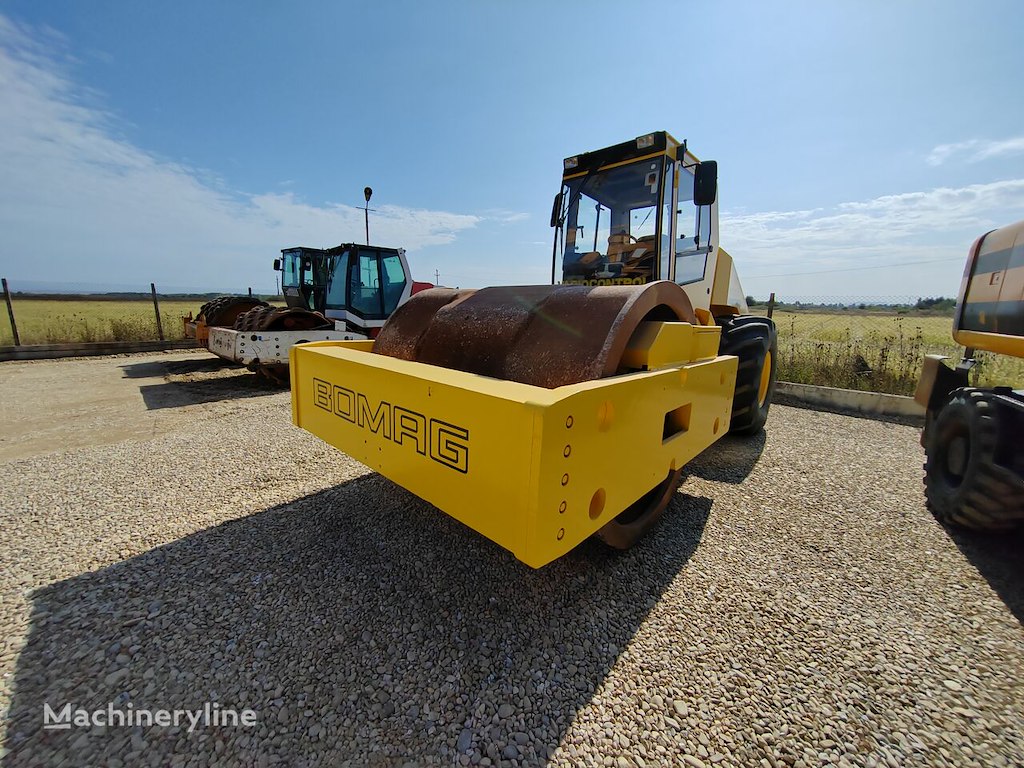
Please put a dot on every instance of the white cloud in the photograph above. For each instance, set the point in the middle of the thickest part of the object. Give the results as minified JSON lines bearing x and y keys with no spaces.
{"x":975,"y":150}
{"x":855,"y":246}
{"x":283,"y":214}
{"x":852,"y":225}
{"x":80,"y":203}
{"x":503,"y":216}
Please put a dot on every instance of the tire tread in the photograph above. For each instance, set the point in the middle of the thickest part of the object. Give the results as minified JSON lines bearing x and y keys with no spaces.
{"x":990,"y":497}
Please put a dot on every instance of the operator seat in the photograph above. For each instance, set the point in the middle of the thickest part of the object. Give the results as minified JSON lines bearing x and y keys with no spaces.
{"x":619,"y":245}
{"x":621,"y":249}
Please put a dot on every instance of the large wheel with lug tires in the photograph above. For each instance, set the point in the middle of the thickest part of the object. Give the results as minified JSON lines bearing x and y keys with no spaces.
{"x":253,"y":319}
{"x":274,"y":319}
{"x":964,"y":484}
{"x":224,"y":311}
{"x":754,"y":341}
{"x":294,"y":319}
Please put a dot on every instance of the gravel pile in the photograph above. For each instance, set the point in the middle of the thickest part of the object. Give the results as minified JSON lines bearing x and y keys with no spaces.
{"x":797,"y":607}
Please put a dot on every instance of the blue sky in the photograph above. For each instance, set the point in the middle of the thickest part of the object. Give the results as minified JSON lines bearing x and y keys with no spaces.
{"x":188,"y":142}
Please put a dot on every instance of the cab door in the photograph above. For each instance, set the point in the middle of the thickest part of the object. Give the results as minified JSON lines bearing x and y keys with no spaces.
{"x":365,"y":296}
{"x":394,"y":280}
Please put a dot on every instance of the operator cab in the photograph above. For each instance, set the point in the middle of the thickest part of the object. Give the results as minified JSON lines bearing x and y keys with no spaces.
{"x":303,"y":277}
{"x":366,"y":283}
{"x":640,"y":211}
{"x":359,"y":285}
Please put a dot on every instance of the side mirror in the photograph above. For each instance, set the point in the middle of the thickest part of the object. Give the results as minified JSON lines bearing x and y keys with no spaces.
{"x":705,"y":183}
{"x":277,"y":265}
{"x":556,"y":208}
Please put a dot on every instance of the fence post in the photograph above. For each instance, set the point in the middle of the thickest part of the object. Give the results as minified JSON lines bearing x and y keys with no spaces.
{"x":10,"y":314}
{"x":771,"y":304}
{"x":156,"y":308}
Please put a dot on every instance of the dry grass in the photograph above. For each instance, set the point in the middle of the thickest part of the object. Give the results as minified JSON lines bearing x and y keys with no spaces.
{"x":875,"y":351}
{"x":47,"y":321}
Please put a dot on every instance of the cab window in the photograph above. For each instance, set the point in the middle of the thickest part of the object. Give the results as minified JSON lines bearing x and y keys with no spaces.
{"x":393,"y":280}
{"x":693,"y":233}
{"x":364,"y":285}
{"x":336,"y":288}
{"x":290,"y":267}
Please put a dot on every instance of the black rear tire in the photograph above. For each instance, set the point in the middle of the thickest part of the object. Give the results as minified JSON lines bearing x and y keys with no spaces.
{"x":964,"y":485}
{"x":753,"y":339}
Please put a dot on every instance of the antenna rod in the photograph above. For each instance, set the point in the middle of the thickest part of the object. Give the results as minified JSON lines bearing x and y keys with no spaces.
{"x":367,"y":193}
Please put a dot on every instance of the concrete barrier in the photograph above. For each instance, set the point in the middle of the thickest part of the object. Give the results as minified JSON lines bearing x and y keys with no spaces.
{"x":54,"y":351}
{"x":860,"y":403}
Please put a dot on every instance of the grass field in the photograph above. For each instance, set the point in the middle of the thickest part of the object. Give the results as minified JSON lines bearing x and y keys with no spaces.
{"x":882,"y":352}
{"x":879,"y":351}
{"x":45,"y":321}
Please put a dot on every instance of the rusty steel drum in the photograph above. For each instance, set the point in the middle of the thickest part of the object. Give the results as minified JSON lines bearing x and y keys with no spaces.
{"x":547,"y":336}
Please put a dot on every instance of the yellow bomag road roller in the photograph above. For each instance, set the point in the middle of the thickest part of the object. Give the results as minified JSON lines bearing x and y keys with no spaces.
{"x":542,"y":415}
{"x":973,"y":437}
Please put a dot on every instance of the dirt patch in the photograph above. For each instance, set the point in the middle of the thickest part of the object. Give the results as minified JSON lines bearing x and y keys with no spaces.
{"x":51,"y":405}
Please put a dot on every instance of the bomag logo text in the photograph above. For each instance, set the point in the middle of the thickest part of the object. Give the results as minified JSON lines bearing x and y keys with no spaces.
{"x":445,"y":443}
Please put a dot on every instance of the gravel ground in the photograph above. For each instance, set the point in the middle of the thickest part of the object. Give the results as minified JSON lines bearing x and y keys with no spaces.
{"x":798,"y":606}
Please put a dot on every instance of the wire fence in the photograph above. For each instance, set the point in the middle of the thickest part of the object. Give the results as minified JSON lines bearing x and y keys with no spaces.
{"x":92,"y":318}
{"x":875,"y":344}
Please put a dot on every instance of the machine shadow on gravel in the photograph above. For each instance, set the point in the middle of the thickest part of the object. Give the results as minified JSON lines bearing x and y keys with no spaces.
{"x":729,"y":460}
{"x":359,"y":623}
{"x":176,"y":394}
{"x":197,"y":380}
{"x":152,"y":369}
{"x":997,"y":557}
